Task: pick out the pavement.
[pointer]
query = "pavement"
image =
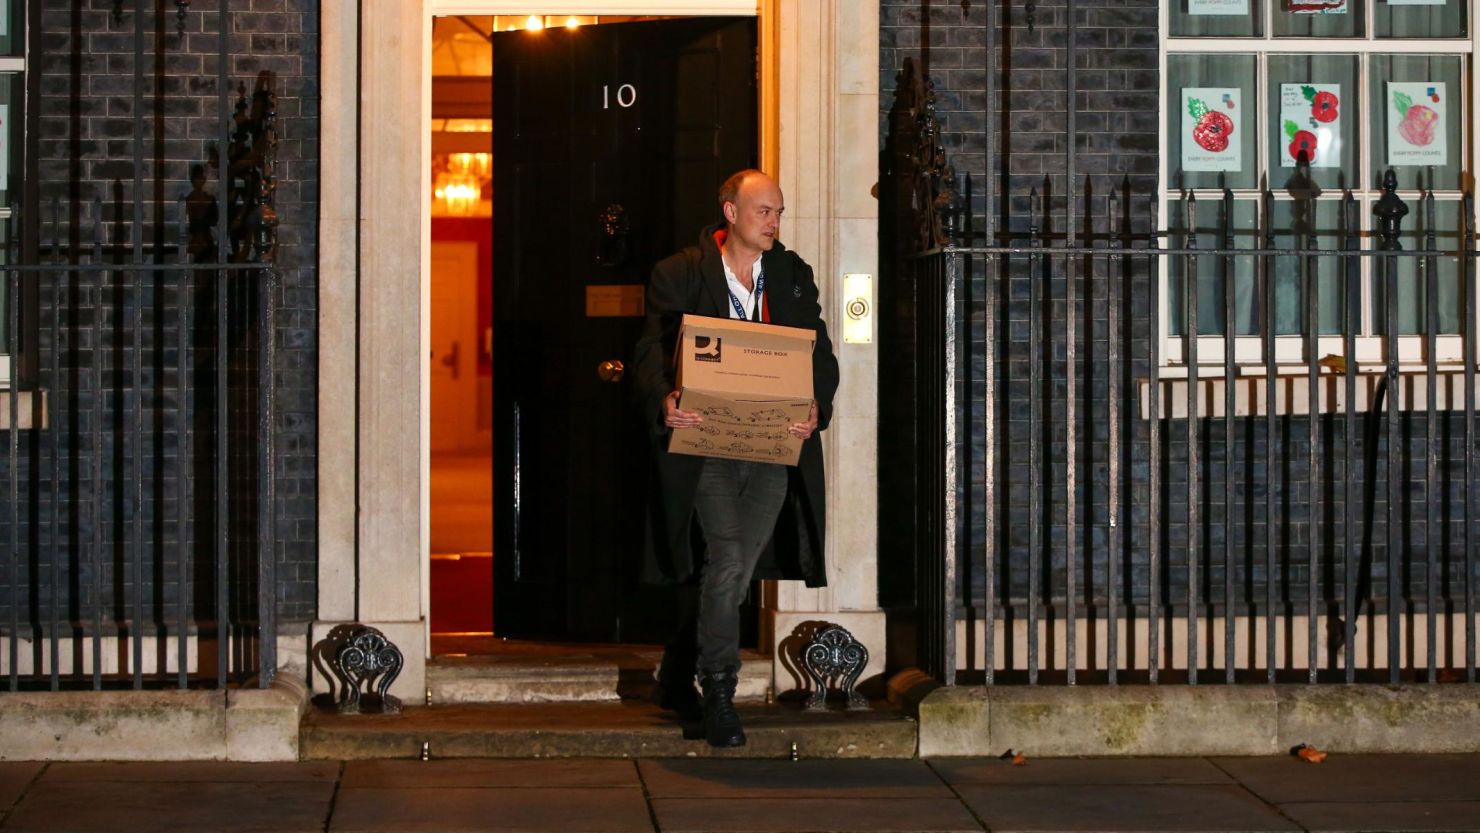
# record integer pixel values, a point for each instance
(1345, 793)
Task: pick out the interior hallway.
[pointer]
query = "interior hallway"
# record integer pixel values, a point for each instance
(462, 543)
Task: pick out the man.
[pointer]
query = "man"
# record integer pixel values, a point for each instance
(737, 270)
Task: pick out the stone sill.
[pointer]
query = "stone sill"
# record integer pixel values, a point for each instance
(25, 407)
(248, 724)
(1180, 720)
(1292, 391)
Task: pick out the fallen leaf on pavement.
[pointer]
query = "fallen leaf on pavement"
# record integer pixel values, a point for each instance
(1309, 754)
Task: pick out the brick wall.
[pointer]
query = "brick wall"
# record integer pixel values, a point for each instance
(1116, 124)
(83, 56)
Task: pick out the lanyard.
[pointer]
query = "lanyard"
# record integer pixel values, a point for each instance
(760, 290)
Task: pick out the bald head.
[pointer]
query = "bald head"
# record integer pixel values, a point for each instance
(752, 205)
(730, 190)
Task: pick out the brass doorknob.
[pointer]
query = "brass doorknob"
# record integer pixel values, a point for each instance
(611, 370)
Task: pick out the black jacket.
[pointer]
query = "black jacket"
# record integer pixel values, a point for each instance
(693, 281)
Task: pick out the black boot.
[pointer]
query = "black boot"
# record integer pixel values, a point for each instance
(675, 690)
(721, 723)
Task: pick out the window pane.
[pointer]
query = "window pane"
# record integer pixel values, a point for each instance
(1319, 18)
(1418, 113)
(1211, 124)
(1314, 99)
(4, 292)
(10, 137)
(1448, 233)
(1212, 269)
(1321, 233)
(11, 20)
(1217, 18)
(1420, 19)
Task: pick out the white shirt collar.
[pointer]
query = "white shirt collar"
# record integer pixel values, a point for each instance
(745, 296)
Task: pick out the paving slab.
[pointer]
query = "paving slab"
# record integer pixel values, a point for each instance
(1122, 807)
(493, 810)
(1416, 816)
(1342, 778)
(815, 815)
(718, 778)
(192, 771)
(14, 778)
(147, 807)
(478, 772)
(1071, 771)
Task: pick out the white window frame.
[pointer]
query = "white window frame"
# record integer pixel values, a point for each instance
(1290, 350)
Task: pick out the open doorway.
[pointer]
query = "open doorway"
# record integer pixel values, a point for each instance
(461, 307)
(606, 138)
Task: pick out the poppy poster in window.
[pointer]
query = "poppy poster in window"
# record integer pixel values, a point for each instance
(1310, 123)
(1417, 119)
(1316, 6)
(1211, 120)
(1218, 7)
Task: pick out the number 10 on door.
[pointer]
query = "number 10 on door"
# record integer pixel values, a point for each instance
(626, 96)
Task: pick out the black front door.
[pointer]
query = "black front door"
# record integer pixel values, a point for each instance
(609, 144)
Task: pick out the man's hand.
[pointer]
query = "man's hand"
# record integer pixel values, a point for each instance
(803, 430)
(676, 417)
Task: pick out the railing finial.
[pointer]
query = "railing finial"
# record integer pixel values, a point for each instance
(1390, 211)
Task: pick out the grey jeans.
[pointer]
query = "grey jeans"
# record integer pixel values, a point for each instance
(737, 503)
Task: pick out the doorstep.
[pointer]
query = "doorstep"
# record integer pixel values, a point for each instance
(623, 729)
(557, 674)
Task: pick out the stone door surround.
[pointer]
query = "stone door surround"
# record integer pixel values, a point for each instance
(819, 127)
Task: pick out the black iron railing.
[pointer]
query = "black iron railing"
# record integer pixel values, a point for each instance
(138, 467)
(139, 488)
(1104, 531)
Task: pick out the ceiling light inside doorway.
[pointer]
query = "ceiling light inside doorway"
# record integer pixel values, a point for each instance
(477, 164)
(460, 193)
(534, 23)
(571, 22)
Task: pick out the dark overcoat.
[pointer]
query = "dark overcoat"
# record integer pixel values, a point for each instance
(693, 281)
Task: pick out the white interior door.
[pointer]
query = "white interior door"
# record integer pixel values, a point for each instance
(454, 353)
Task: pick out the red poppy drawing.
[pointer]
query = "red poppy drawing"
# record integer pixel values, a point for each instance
(1419, 120)
(1213, 127)
(1301, 141)
(1316, 6)
(1323, 105)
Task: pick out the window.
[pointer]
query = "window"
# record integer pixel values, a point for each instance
(1358, 87)
(12, 95)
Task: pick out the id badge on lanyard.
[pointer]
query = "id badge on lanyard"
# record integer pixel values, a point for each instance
(758, 295)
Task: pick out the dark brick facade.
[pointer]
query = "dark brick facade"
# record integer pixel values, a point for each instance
(82, 60)
(1117, 139)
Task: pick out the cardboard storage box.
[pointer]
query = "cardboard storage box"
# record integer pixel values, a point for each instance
(750, 381)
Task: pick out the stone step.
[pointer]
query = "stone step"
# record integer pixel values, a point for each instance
(626, 729)
(568, 678)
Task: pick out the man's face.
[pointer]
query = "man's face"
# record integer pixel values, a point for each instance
(755, 216)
